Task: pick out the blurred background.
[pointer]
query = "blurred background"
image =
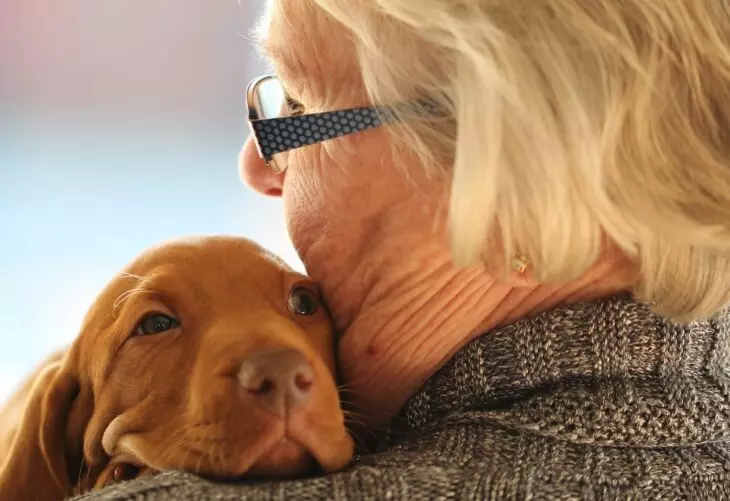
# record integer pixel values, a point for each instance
(120, 126)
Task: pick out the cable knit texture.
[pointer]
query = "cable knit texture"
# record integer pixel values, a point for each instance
(598, 401)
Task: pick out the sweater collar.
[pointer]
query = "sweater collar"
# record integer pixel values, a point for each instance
(608, 372)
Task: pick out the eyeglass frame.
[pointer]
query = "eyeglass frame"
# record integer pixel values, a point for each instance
(304, 123)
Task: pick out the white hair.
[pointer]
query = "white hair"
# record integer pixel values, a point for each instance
(569, 121)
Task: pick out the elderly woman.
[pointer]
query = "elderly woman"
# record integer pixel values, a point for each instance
(519, 212)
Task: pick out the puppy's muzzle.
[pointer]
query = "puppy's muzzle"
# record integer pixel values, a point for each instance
(280, 381)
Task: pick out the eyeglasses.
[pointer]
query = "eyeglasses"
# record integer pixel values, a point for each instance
(279, 124)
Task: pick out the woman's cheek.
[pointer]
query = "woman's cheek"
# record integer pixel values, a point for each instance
(306, 205)
(333, 189)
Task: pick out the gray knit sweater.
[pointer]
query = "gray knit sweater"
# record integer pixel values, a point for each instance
(599, 401)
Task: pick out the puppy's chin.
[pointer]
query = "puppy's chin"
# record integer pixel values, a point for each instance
(304, 444)
(284, 459)
(328, 441)
(276, 458)
(273, 456)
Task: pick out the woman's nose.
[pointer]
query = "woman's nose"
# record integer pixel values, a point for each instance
(256, 174)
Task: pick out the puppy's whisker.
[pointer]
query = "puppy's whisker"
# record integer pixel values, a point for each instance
(128, 294)
(353, 391)
(221, 459)
(190, 445)
(352, 417)
(345, 386)
(168, 456)
(141, 283)
(82, 467)
(361, 428)
(81, 472)
(351, 412)
(362, 425)
(187, 443)
(350, 388)
(124, 274)
(184, 461)
(357, 417)
(360, 442)
(371, 414)
(352, 382)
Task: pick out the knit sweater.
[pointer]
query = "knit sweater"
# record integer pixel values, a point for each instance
(598, 401)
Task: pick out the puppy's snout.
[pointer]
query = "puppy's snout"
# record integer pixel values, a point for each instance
(280, 381)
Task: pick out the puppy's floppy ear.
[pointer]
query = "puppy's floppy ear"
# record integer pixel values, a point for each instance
(45, 457)
(12, 411)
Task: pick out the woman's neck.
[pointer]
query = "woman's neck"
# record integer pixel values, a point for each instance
(416, 312)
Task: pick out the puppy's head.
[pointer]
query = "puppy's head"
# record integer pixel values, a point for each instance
(209, 356)
(212, 356)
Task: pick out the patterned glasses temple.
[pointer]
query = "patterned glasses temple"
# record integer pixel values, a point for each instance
(280, 134)
(276, 135)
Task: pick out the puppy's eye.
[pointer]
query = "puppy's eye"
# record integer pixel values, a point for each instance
(303, 301)
(155, 323)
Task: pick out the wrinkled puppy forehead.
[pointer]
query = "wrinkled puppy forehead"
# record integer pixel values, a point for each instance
(211, 252)
(217, 269)
(206, 270)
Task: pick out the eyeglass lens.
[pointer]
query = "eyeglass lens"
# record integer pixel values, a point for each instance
(270, 99)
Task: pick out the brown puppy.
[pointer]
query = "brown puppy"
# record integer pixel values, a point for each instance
(209, 356)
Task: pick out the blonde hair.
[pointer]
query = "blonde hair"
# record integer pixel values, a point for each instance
(570, 121)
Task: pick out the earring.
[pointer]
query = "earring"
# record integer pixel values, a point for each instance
(519, 263)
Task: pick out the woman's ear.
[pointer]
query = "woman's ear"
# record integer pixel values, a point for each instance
(43, 463)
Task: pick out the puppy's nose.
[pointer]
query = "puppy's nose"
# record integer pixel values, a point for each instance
(279, 380)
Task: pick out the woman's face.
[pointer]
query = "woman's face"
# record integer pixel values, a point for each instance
(345, 200)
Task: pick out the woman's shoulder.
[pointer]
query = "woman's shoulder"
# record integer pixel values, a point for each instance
(473, 460)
